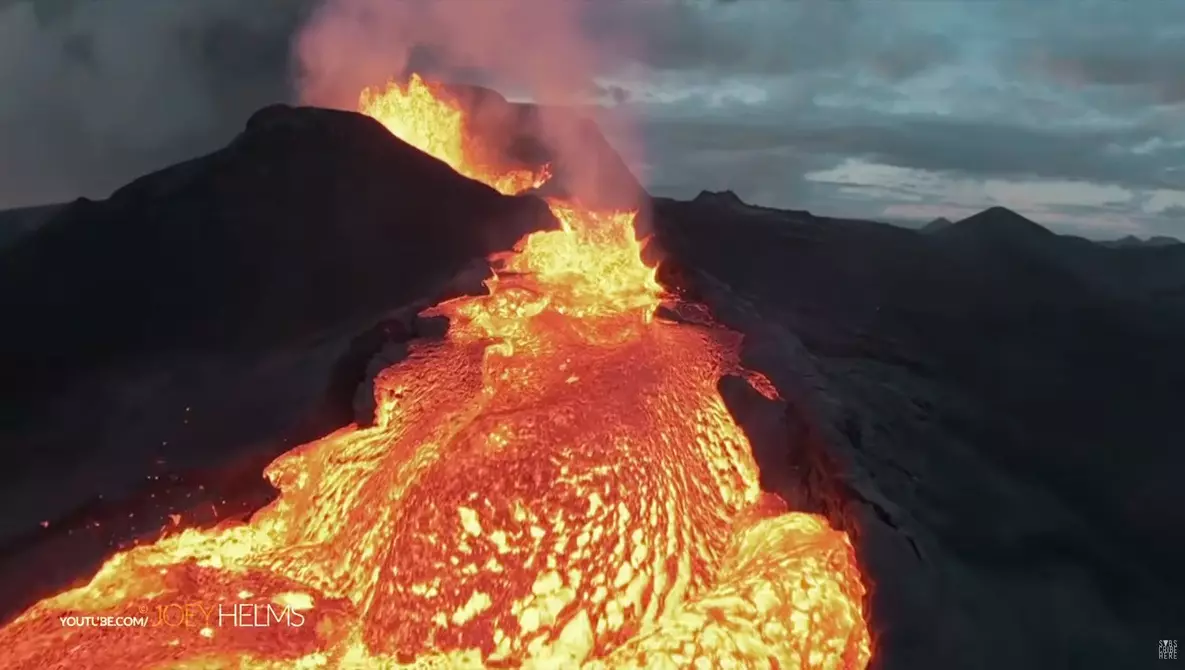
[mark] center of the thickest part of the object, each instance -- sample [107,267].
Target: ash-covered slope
[1004,404]
[308,219]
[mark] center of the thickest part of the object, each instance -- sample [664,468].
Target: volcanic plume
[556,483]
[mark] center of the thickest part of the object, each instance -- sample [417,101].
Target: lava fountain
[555,484]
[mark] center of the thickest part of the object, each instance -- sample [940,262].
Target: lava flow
[421,115]
[557,483]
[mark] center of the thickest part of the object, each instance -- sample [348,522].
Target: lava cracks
[550,502]
[570,513]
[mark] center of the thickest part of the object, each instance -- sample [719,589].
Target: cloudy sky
[1072,113]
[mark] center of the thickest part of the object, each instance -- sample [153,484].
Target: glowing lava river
[555,484]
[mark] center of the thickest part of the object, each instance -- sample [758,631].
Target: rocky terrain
[992,410]
[1001,399]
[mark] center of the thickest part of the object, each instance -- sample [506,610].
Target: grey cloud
[1139,46]
[766,162]
[96,93]
[909,57]
[769,178]
[1151,65]
[761,37]
[998,150]
[686,158]
[941,144]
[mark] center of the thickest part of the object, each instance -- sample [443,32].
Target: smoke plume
[531,48]
[98,93]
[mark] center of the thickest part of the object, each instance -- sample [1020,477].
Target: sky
[1071,113]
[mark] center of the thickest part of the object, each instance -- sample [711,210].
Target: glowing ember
[557,484]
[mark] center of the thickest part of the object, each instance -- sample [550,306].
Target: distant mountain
[941,223]
[1161,241]
[720,199]
[998,223]
[1131,241]
[1044,263]
[731,201]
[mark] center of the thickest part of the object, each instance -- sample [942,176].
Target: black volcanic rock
[308,219]
[1001,409]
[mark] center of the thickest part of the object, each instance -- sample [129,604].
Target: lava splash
[557,483]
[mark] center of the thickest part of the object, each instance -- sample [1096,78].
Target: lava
[422,114]
[557,483]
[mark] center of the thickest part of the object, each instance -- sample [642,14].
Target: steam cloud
[97,93]
[541,49]
[526,45]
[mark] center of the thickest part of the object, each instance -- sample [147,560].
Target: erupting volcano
[557,483]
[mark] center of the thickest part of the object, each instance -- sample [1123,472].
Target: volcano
[385,414]
[555,482]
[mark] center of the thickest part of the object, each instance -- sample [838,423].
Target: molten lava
[555,484]
[422,115]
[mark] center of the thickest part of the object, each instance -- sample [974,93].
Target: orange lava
[421,114]
[556,484]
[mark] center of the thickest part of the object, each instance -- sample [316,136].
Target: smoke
[516,44]
[542,49]
[97,93]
